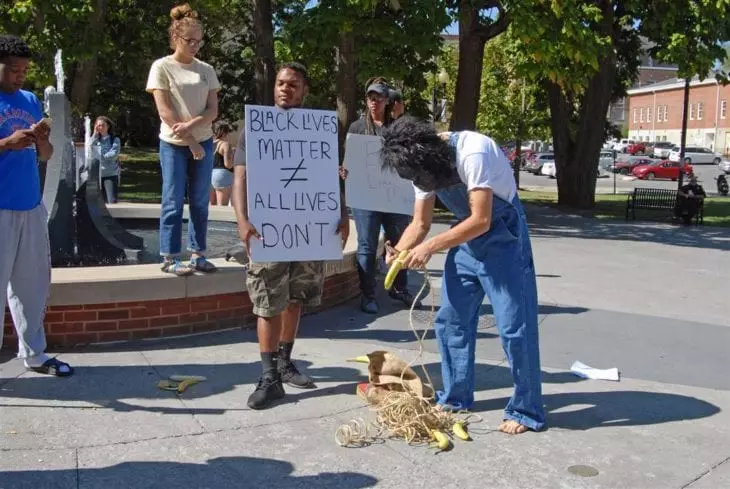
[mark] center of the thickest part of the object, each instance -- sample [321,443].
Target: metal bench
[656,199]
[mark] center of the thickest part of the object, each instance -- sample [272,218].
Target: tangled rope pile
[404,414]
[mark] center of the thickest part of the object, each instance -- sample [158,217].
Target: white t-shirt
[480,164]
[189,86]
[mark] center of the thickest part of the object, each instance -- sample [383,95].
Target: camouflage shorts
[272,286]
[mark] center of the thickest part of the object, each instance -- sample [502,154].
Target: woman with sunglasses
[368,223]
[186,95]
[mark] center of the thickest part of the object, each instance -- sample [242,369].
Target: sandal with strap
[177,268]
[202,265]
[54,367]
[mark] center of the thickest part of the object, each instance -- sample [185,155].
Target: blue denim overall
[498,263]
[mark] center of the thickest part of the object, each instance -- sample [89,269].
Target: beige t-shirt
[189,86]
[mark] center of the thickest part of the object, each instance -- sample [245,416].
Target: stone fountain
[80,227]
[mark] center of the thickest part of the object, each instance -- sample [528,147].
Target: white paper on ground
[582,370]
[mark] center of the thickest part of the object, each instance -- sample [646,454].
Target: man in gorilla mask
[489,253]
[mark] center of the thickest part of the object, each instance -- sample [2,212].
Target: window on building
[700,110]
[691,112]
[723,109]
[665,113]
[641,115]
[636,116]
[648,114]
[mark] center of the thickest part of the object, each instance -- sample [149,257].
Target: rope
[405,415]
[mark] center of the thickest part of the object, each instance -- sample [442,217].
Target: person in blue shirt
[489,253]
[25,263]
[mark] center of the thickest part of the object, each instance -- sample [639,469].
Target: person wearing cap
[368,223]
[689,198]
[398,108]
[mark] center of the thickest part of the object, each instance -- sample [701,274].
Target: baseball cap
[380,89]
[396,96]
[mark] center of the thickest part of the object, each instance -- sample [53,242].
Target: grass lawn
[609,206]
[142,182]
[141,178]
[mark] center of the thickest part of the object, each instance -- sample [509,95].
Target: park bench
[656,199]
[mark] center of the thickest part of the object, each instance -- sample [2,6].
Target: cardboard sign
[368,186]
[293,190]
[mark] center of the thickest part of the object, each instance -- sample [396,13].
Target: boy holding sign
[278,289]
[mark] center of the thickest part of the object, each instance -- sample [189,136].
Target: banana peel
[360,359]
[442,441]
[395,267]
[179,383]
[459,430]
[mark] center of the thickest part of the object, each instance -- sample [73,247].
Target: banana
[459,430]
[360,359]
[441,439]
[394,269]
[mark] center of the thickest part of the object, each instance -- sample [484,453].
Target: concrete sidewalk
[664,425]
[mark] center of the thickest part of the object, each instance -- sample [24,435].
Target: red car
[636,149]
[661,169]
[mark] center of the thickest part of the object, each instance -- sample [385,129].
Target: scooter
[722,185]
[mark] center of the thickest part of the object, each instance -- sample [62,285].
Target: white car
[548,169]
[698,155]
[623,145]
[724,166]
[662,149]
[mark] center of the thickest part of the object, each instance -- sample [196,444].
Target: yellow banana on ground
[395,267]
[459,430]
[442,441]
[360,359]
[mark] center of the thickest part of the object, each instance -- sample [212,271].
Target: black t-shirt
[360,127]
[696,190]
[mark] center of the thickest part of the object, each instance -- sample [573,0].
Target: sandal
[53,366]
[177,268]
[202,265]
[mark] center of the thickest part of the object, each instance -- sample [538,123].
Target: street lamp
[443,77]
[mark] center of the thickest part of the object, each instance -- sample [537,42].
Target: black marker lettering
[265,234]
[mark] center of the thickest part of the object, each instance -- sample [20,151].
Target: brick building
[650,72]
[655,113]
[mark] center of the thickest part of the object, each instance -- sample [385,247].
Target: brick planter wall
[99,323]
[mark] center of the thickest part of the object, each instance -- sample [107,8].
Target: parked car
[535,165]
[661,169]
[724,166]
[697,155]
[662,149]
[636,149]
[625,167]
[549,169]
[623,145]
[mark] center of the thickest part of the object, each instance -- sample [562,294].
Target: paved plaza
[650,299]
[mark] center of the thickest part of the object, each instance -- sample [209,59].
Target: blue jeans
[368,225]
[181,173]
[499,264]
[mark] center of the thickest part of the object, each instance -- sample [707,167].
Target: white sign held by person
[368,186]
[292,184]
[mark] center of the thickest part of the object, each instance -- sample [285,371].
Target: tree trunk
[84,72]
[469,77]
[346,83]
[264,57]
[577,141]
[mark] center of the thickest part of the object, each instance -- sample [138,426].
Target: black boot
[288,372]
[269,388]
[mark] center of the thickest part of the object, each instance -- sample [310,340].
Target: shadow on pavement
[588,410]
[239,472]
[545,223]
[109,387]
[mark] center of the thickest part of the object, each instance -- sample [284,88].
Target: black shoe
[405,297]
[290,375]
[268,390]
